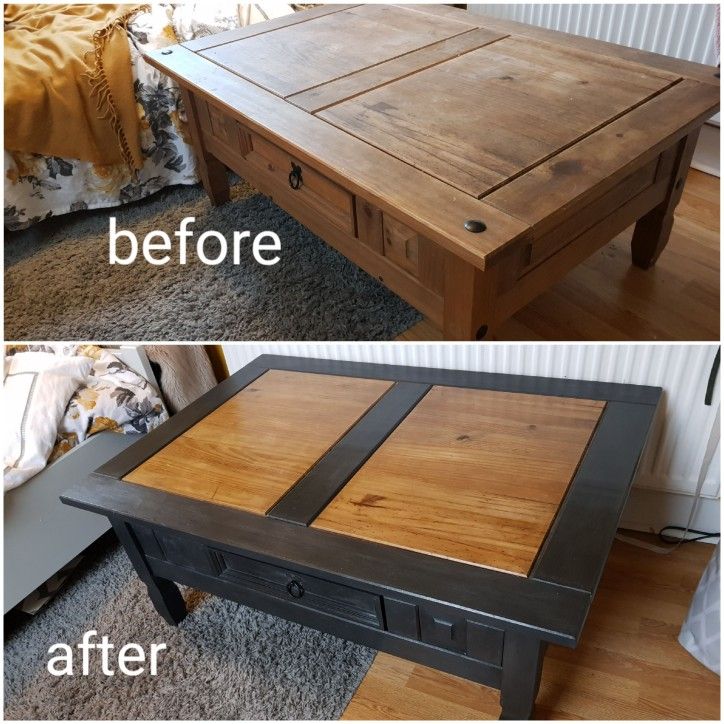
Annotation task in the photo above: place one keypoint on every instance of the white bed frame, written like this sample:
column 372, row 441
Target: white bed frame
column 41, row 535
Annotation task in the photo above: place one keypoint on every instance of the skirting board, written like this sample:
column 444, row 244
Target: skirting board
column 650, row 510
column 706, row 156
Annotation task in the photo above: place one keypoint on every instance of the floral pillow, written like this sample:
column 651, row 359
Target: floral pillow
column 114, row 397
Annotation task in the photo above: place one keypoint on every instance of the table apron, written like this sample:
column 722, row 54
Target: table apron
column 428, row 621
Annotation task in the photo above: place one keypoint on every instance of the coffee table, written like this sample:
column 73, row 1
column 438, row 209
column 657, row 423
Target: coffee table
column 457, row 519
column 466, row 162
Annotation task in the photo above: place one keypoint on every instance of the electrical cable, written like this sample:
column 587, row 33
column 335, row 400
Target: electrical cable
column 699, row 535
column 711, row 447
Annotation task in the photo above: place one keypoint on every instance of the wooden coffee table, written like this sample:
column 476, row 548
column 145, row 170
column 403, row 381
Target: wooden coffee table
column 466, row 162
column 457, row 519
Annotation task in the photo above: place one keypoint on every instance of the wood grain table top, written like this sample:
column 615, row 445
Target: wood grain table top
column 248, row 452
column 440, row 116
column 471, row 475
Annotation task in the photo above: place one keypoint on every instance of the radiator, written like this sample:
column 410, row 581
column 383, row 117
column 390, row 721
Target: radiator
column 682, row 31
column 676, row 453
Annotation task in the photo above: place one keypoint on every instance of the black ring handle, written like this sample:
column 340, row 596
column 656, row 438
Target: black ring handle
column 296, row 590
column 295, row 176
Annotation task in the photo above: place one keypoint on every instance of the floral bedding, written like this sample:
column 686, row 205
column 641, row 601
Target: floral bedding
column 37, row 187
column 113, row 397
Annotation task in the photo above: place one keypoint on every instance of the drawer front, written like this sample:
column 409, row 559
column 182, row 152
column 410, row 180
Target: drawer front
column 176, row 549
column 223, row 128
column 321, row 195
column 417, row 255
column 401, row 244
column 314, row 190
column 311, row 592
column 445, row 629
column 315, row 593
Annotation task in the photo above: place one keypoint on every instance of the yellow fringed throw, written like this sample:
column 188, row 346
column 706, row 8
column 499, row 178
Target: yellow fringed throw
column 68, row 83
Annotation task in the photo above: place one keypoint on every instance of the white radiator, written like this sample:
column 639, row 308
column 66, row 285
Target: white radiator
column 681, row 30
column 670, row 469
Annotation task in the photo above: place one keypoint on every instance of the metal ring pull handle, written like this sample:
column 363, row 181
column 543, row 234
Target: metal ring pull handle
column 295, row 589
column 295, row 176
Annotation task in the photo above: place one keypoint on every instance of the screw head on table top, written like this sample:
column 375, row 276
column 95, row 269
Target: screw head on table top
column 475, row 226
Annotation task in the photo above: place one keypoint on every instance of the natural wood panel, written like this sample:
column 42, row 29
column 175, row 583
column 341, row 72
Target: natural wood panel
column 229, row 36
column 472, row 475
column 320, row 97
column 254, row 447
column 300, row 56
column 628, row 665
column 604, row 158
column 530, row 101
column 606, row 298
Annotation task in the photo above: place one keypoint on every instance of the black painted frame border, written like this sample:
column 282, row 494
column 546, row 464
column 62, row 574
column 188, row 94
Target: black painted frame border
column 552, row 602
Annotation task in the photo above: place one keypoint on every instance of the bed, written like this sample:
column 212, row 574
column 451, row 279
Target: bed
column 40, row 186
column 42, row 536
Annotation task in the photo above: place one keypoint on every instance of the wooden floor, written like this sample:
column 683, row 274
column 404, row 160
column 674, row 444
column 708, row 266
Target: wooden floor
column 607, row 298
column 628, row 665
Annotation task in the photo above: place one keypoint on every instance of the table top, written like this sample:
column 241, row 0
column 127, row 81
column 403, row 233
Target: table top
column 502, row 483
column 472, row 475
column 444, row 116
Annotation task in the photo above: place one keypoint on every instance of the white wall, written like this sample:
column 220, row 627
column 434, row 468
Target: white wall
column 670, row 470
column 680, row 30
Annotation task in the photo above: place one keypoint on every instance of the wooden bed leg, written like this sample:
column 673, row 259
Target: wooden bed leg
column 213, row 173
column 469, row 303
column 652, row 231
column 164, row 594
column 522, row 667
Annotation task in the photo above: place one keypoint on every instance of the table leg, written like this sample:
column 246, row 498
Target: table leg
column 164, row 594
column 652, row 231
column 469, row 302
column 522, row 666
column 213, row 173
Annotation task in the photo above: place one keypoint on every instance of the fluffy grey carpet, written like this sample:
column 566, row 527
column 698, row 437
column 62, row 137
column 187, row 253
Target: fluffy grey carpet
column 224, row 661
column 59, row 284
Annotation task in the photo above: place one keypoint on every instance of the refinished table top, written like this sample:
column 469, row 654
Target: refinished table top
column 472, row 475
column 444, row 116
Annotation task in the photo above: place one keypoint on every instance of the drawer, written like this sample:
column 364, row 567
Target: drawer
column 315, row 593
column 313, row 189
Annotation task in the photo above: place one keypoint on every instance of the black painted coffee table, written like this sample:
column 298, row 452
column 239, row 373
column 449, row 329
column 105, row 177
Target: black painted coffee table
column 457, row 519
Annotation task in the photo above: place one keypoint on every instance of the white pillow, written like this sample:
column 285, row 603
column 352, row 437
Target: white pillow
column 37, row 387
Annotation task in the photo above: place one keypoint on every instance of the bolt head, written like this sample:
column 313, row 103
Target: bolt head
column 475, row 226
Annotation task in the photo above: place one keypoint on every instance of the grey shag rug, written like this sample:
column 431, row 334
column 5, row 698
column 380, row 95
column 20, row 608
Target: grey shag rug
column 224, row 661
column 59, row 284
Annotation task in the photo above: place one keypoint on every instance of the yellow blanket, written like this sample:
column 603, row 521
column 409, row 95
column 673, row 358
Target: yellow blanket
column 68, row 83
